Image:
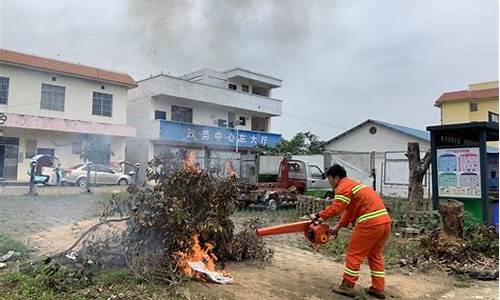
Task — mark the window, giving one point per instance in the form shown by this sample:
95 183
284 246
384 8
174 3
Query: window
297 170
473 106
221 123
372 130
4 90
104 169
242 121
30 149
160 115
182 114
52 97
45 151
102 104
316 172
232 86
245 88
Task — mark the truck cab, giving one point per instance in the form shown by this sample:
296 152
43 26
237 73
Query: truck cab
308 178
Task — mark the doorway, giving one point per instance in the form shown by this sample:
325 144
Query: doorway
9 149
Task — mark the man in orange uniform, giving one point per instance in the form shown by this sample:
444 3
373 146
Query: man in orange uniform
364 208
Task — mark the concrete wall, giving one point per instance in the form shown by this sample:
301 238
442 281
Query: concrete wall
483 85
184 89
142 106
360 140
459 112
62 143
25 95
237 77
203 113
208 76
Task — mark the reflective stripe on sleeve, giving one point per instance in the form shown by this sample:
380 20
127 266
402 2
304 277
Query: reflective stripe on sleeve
358 188
342 198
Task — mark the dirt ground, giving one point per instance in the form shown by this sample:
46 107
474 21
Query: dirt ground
296 274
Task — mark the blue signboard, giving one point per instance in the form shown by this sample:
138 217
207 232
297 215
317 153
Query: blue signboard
216 136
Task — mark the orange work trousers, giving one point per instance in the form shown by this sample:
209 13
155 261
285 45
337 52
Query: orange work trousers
367 241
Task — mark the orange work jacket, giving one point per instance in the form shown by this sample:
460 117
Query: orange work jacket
359 202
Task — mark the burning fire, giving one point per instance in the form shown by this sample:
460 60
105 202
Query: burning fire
230 169
189 161
198 254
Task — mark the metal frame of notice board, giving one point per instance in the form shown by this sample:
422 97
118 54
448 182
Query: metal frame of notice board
467 136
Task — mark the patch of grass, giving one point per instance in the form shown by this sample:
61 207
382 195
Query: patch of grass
7 244
109 284
397 249
462 282
338 247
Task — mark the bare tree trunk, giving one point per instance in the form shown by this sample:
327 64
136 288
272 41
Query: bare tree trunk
418 167
452 215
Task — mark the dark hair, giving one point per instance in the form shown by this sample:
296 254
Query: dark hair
336 170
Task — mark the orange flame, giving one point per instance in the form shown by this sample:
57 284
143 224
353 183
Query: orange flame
197 254
189 161
230 169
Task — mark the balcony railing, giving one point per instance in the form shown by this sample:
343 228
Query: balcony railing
178 132
492 117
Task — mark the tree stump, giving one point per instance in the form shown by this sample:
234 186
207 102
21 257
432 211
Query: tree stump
452 215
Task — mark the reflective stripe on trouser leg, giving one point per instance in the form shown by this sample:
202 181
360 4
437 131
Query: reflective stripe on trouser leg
376 260
378 280
377 273
351 272
358 249
351 276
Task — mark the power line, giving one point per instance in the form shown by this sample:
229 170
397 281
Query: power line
342 128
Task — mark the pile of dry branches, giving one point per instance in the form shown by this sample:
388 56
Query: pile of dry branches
183 201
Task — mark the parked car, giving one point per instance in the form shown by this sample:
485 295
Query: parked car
99 174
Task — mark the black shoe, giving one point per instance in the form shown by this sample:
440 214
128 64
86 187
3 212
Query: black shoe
375 293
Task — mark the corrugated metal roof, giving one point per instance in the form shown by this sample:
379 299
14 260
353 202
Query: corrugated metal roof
421 134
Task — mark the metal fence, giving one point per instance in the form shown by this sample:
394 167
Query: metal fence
387 171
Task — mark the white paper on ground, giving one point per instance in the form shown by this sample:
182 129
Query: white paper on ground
215 277
6 257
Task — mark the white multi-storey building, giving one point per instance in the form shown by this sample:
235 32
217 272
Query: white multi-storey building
218 115
54 107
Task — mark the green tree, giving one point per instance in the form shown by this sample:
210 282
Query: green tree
302 143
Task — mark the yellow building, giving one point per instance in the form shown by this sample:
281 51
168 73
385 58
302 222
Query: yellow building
478 103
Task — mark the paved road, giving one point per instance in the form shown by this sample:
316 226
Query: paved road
21 216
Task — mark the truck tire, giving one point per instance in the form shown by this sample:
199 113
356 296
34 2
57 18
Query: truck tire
273 203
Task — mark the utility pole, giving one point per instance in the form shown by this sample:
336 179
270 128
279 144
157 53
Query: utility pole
136 175
32 190
87 182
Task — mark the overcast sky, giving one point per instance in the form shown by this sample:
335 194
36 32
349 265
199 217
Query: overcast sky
341 62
